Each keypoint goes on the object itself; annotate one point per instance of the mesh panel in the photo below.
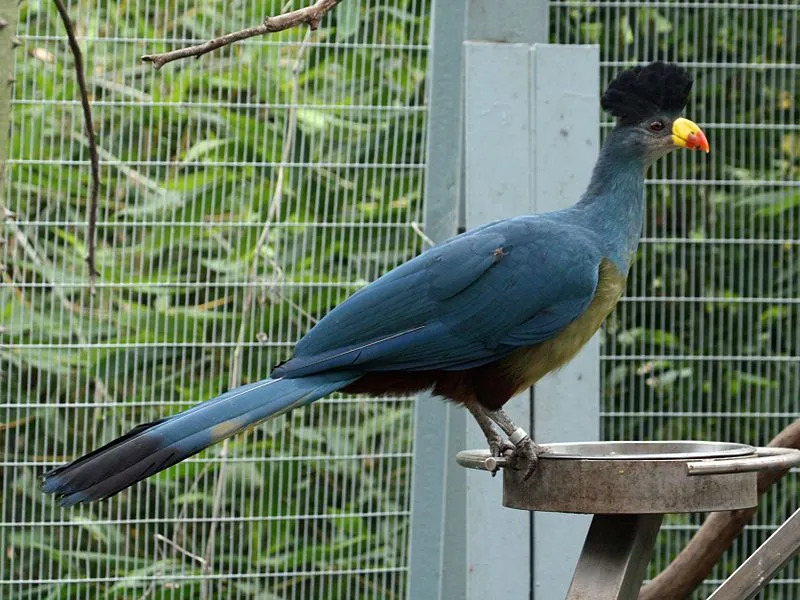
(250, 191)
(705, 343)
(244, 194)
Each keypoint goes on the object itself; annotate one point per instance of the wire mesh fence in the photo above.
(248, 192)
(705, 343)
(244, 194)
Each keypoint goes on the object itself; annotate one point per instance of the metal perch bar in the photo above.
(765, 459)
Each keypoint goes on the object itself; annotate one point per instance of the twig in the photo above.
(179, 548)
(418, 230)
(280, 278)
(87, 117)
(41, 261)
(249, 297)
(310, 15)
(58, 291)
(717, 533)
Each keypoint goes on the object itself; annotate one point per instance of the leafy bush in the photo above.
(704, 345)
(210, 265)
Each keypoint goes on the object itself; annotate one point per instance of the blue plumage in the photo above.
(476, 318)
(468, 302)
(150, 448)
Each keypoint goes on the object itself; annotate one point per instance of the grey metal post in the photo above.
(531, 140)
(566, 405)
(497, 158)
(463, 545)
(497, 151)
(437, 499)
(497, 184)
(438, 561)
(615, 557)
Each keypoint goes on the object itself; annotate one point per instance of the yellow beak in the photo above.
(686, 134)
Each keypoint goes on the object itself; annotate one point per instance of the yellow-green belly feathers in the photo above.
(528, 365)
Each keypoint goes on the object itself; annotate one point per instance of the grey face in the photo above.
(653, 137)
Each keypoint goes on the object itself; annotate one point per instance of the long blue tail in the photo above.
(150, 448)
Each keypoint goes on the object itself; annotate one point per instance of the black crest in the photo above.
(642, 92)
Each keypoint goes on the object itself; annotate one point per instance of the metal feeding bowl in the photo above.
(675, 450)
(635, 477)
(629, 486)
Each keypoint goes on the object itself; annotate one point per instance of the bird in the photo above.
(475, 319)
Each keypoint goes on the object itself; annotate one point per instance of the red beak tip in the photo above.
(698, 141)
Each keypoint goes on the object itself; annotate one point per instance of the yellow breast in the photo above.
(530, 364)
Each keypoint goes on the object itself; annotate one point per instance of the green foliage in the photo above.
(192, 159)
(704, 346)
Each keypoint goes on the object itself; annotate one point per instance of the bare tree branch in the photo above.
(95, 161)
(717, 533)
(310, 15)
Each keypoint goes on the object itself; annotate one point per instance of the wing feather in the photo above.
(467, 302)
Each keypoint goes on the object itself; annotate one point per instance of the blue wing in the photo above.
(467, 302)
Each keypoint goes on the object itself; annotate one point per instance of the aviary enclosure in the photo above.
(247, 192)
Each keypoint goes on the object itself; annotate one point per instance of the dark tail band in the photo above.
(152, 447)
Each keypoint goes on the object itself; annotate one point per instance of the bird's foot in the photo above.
(499, 446)
(524, 457)
(524, 451)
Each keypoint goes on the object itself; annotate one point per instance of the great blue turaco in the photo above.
(476, 319)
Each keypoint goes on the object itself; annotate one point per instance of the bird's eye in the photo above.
(656, 125)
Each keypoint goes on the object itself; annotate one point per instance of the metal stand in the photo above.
(615, 556)
(629, 487)
(761, 566)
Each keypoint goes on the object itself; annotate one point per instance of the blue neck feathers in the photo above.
(613, 204)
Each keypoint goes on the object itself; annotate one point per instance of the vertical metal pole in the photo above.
(531, 141)
(497, 161)
(438, 507)
(566, 404)
(9, 14)
(510, 21)
(614, 558)
(497, 151)
(459, 533)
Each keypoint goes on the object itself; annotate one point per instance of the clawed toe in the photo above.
(523, 457)
(501, 447)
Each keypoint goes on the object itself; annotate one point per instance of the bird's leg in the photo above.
(497, 445)
(525, 450)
